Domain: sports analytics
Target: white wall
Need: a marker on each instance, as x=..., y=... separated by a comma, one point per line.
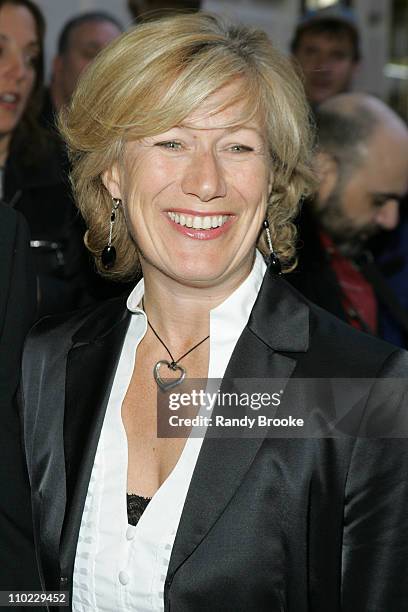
x=374, y=17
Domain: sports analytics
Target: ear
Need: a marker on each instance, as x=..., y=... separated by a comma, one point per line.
x=56, y=67
x=327, y=172
x=271, y=181
x=111, y=180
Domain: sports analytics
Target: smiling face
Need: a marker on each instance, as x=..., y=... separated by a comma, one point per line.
x=195, y=196
x=19, y=48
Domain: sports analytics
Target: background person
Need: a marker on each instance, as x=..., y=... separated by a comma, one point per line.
x=362, y=167
x=79, y=42
x=190, y=139
x=326, y=45
x=17, y=314
x=32, y=178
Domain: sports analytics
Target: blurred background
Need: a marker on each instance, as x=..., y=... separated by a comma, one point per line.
x=383, y=26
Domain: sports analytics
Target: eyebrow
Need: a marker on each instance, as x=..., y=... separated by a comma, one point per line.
x=31, y=43
x=383, y=197
x=227, y=129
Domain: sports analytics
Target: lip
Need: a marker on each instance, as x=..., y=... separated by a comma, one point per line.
x=200, y=234
x=12, y=106
x=197, y=213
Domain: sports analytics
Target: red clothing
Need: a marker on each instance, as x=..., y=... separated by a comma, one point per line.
x=358, y=298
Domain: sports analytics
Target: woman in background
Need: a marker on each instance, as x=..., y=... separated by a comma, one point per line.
x=190, y=146
x=32, y=176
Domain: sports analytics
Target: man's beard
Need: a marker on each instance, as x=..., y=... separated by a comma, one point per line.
x=349, y=239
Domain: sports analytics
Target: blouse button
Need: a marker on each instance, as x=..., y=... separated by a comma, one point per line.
x=123, y=577
x=130, y=533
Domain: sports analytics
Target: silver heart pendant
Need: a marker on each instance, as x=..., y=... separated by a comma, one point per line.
x=165, y=386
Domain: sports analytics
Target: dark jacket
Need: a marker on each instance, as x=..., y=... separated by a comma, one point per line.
x=39, y=190
x=17, y=310
x=269, y=524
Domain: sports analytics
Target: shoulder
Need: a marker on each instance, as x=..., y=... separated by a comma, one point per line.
x=10, y=221
x=59, y=332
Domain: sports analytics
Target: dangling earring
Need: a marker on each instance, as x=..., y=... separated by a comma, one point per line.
x=108, y=256
x=274, y=263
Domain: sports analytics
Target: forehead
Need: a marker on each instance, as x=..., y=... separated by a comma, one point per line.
x=387, y=172
x=17, y=22
x=326, y=40
x=226, y=108
x=98, y=33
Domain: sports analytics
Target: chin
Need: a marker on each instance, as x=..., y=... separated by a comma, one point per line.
x=199, y=275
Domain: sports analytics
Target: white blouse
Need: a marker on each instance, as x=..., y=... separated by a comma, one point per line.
x=119, y=566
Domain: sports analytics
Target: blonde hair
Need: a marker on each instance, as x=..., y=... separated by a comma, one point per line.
x=149, y=80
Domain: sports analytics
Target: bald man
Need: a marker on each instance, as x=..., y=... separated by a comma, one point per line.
x=361, y=163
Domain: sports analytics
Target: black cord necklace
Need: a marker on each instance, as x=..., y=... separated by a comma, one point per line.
x=173, y=364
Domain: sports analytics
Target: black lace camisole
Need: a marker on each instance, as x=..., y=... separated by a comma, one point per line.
x=136, y=505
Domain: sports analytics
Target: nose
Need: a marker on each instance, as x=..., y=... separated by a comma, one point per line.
x=320, y=62
x=387, y=215
x=16, y=67
x=204, y=177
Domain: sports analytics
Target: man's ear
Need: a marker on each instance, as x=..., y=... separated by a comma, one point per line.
x=327, y=172
x=111, y=180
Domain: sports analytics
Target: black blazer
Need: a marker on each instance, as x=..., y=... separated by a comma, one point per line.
x=269, y=524
x=17, y=312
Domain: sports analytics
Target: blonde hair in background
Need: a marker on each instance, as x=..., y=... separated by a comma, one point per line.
x=148, y=81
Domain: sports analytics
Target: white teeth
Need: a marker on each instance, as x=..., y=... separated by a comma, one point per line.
x=198, y=222
x=9, y=98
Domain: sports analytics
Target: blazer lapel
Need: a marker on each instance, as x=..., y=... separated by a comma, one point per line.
x=279, y=323
x=85, y=406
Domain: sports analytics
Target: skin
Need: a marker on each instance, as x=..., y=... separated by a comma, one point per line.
x=18, y=50
x=85, y=42
x=360, y=206
x=327, y=64
x=202, y=166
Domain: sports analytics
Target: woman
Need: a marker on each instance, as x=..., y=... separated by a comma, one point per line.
x=190, y=145
x=31, y=178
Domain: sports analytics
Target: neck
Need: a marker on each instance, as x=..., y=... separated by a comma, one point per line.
x=180, y=312
x=57, y=97
x=4, y=148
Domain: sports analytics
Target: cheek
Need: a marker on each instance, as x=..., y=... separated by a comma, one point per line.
x=358, y=207
x=343, y=70
x=252, y=185
x=29, y=85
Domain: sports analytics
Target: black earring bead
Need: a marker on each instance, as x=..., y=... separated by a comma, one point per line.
x=108, y=257
x=275, y=264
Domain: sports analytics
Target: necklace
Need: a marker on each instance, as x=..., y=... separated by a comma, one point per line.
x=172, y=365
